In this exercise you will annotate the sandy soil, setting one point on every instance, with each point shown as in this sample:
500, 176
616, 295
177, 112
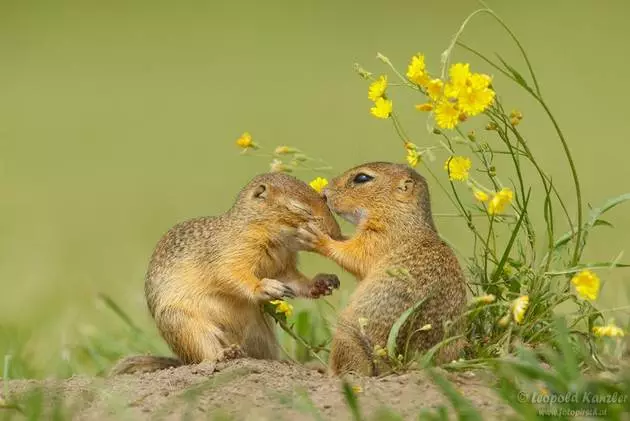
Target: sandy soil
251, 390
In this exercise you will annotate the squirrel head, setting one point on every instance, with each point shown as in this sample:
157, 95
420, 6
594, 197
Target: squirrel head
379, 194
280, 201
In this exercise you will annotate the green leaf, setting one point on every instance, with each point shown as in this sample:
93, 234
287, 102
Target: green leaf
428, 356
602, 222
594, 218
597, 265
393, 332
517, 76
111, 304
351, 400
508, 248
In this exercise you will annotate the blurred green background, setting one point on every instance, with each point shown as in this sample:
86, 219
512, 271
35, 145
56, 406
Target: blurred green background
118, 119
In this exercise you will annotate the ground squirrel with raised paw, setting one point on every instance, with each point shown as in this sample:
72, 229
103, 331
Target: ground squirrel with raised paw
398, 259
209, 277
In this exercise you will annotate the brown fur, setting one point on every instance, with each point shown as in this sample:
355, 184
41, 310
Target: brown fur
209, 277
395, 229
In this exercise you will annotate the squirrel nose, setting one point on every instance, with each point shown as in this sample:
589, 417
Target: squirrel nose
325, 193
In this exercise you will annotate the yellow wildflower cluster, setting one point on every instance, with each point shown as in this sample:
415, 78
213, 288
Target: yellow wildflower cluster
283, 307
458, 168
609, 330
465, 94
587, 284
376, 92
318, 184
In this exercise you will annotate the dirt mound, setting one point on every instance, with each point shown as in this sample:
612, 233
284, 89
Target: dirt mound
247, 389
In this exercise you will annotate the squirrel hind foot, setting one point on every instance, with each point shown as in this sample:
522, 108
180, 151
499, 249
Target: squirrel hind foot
232, 352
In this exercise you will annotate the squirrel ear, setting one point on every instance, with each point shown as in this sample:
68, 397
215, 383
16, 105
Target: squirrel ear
260, 191
405, 188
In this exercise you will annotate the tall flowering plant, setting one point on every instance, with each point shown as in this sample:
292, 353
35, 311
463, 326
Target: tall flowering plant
518, 272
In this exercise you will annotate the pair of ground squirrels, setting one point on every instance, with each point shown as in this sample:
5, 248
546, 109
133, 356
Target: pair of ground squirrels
390, 205
209, 277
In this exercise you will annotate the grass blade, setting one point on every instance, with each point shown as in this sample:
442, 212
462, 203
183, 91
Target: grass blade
394, 331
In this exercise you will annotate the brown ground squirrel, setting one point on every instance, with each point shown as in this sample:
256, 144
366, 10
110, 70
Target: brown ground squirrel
390, 205
209, 277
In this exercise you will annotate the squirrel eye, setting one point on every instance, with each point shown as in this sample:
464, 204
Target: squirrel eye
362, 178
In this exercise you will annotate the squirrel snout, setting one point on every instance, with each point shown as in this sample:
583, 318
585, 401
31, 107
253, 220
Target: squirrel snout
325, 193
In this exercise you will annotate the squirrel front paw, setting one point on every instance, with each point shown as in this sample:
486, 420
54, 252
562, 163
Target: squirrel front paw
272, 289
311, 237
323, 284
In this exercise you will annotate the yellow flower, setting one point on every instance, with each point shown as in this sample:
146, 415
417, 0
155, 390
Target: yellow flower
451, 91
457, 167
500, 201
283, 150
484, 299
357, 389
425, 328
459, 73
245, 141
504, 320
516, 117
379, 351
413, 157
519, 307
479, 81
446, 114
609, 330
460, 78
382, 108
416, 71
362, 323
377, 88
481, 195
318, 184
586, 284
475, 101
279, 166
434, 88
283, 307
424, 107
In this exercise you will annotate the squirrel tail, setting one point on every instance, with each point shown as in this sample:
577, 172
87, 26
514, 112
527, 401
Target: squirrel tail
143, 364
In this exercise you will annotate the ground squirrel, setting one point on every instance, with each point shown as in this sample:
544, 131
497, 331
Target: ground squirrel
209, 277
390, 205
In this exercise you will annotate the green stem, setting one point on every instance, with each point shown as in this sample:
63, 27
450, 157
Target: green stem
298, 338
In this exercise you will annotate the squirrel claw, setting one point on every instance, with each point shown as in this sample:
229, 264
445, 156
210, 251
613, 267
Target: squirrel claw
232, 352
323, 284
272, 289
310, 236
